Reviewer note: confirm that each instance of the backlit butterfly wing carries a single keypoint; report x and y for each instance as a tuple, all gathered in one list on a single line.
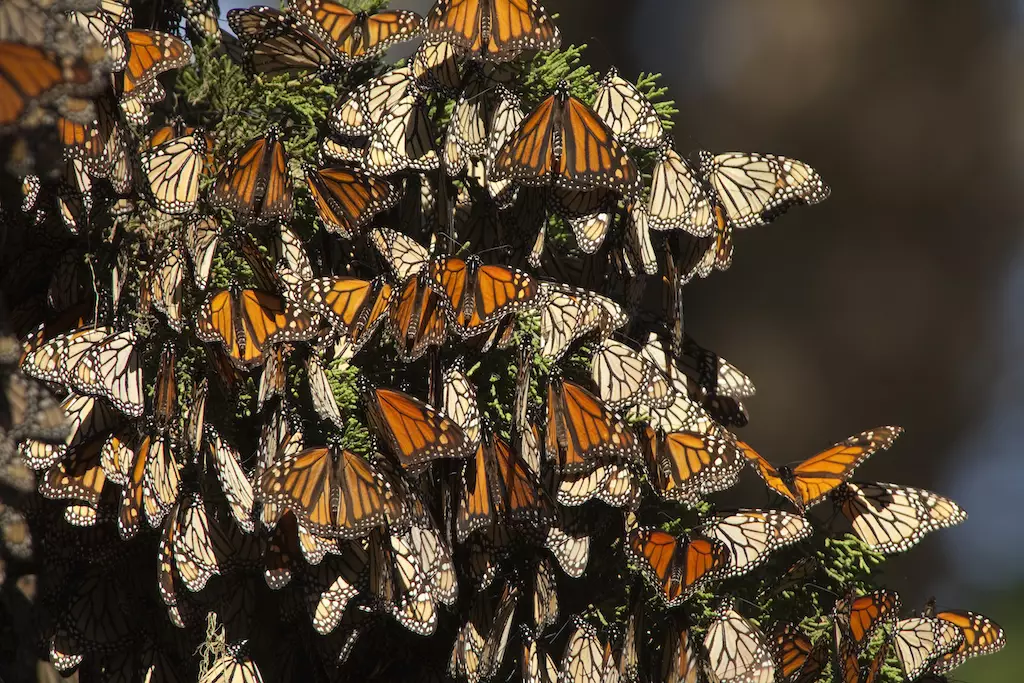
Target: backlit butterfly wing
[(737, 650), (505, 119), (676, 567), (624, 377), (613, 483), (279, 44), (361, 111), (415, 432), (405, 256), (754, 188), (921, 640), (173, 170), (568, 314), (320, 391), (892, 519), (494, 30), (571, 548), (460, 403), (254, 184), (111, 369), (629, 115), (584, 655), (982, 636), (436, 65), (403, 140), (797, 659), (581, 429), (234, 481), (751, 536), (359, 36), (677, 200), (166, 285), (201, 238), (810, 481), (347, 200)]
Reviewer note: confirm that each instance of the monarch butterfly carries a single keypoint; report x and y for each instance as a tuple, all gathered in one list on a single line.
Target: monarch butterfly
[(712, 381), (111, 369), (234, 481), (751, 536), (857, 618), (568, 313), (359, 36), (677, 567), (545, 596), (276, 43), (87, 418), (892, 519), (79, 476), (166, 285), (570, 547), (415, 432), (629, 115), (273, 378), (150, 53), (233, 667), (565, 145), (405, 256), (686, 465), (361, 111), (676, 200), (536, 666), (247, 321), (404, 139), (639, 257), (436, 65), (919, 641), (613, 483), (354, 307), (107, 24), (336, 494), (173, 169), (477, 296), (624, 377), (416, 318), (346, 200), (497, 486), (32, 77), (480, 645), (254, 184), (467, 135), (460, 403), (436, 559), (582, 430), (737, 650), (752, 189), (807, 483), (797, 659), (400, 584), (506, 116), (583, 661), (494, 30), (588, 212), (201, 237), (99, 142), (981, 636)]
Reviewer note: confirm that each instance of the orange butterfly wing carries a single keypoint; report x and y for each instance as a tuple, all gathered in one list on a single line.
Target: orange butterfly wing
[(767, 472), (415, 431), (817, 476), (216, 323), (150, 54), (30, 73), (591, 156), (268, 318), (527, 155), (581, 429)]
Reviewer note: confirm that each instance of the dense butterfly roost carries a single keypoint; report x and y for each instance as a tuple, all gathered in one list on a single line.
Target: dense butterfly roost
[(317, 367)]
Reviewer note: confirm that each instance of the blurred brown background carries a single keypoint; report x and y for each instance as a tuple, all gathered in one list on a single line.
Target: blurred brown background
[(901, 298)]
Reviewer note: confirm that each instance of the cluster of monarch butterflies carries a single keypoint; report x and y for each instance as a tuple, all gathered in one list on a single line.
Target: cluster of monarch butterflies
[(402, 424)]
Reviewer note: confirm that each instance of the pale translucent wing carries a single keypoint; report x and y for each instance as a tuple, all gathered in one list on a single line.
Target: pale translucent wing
[(676, 200), (737, 650), (628, 113)]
